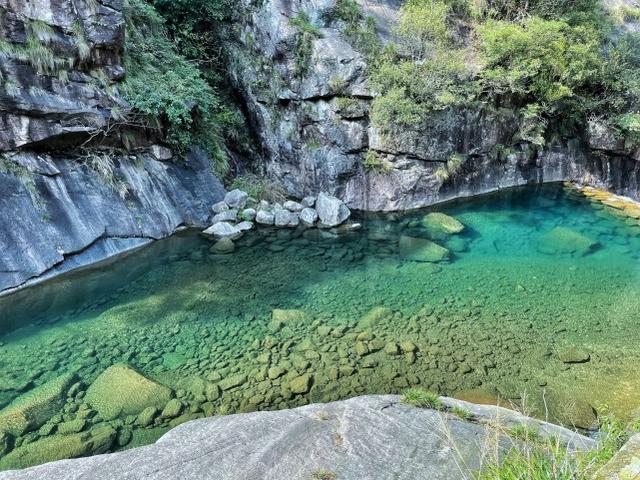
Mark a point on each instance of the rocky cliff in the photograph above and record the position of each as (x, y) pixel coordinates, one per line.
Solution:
(315, 131)
(70, 192)
(374, 437)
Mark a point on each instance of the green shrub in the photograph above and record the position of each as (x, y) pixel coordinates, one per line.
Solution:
(303, 51)
(259, 187)
(373, 163)
(422, 399)
(168, 91)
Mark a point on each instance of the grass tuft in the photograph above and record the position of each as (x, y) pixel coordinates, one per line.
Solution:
(422, 399)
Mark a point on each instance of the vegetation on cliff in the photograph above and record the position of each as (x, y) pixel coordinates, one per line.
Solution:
(557, 64)
(173, 81)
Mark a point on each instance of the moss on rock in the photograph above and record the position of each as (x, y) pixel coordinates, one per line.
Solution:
(120, 390)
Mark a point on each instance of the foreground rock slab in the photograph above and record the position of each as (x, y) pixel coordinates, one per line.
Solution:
(371, 437)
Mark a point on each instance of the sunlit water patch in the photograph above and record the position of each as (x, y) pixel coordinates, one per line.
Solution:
(537, 298)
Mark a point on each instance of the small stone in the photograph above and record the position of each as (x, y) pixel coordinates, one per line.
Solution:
(244, 226)
(292, 206)
(233, 381)
(225, 216)
(301, 384)
(361, 349)
(223, 246)
(407, 347)
(574, 355)
(276, 372)
(72, 426)
(220, 207)
(248, 214)
(391, 348)
(172, 409)
(212, 392)
(308, 216)
(223, 230)
(146, 416)
(308, 202)
(161, 153)
(265, 218)
(283, 218)
(236, 198)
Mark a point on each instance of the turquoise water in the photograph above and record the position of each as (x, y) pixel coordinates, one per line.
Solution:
(537, 306)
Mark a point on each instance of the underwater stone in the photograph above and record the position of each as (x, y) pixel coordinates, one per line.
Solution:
(172, 408)
(422, 250)
(248, 214)
(375, 316)
(574, 355)
(236, 198)
(308, 202)
(56, 447)
(408, 346)
(566, 241)
(72, 426)
(276, 372)
(361, 349)
(439, 222)
(120, 390)
(32, 409)
(146, 416)
(232, 382)
(391, 348)
(301, 384)
(224, 245)
(289, 317)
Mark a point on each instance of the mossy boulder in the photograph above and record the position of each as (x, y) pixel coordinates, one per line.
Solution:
(98, 440)
(562, 240)
(301, 384)
(422, 250)
(120, 390)
(31, 410)
(439, 225)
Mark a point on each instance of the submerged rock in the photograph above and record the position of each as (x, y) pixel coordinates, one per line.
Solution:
(563, 240)
(120, 390)
(440, 225)
(331, 210)
(574, 355)
(98, 440)
(31, 410)
(422, 250)
(224, 245)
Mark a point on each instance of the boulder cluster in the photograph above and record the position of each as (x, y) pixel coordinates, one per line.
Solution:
(238, 213)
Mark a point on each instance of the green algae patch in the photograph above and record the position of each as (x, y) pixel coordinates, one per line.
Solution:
(31, 410)
(422, 250)
(57, 447)
(120, 390)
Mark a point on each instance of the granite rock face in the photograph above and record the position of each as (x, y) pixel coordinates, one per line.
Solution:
(373, 437)
(70, 100)
(315, 131)
(57, 214)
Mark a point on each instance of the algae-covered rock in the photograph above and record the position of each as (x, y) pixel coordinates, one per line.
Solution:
(565, 241)
(120, 390)
(574, 355)
(625, 465)
(233, 381)
(31, 410)
(288, 316)
(441, 225)
(422, 250)
(375, 316)
(172, 409)
(146, 416)
(301, 384)
(98, 440)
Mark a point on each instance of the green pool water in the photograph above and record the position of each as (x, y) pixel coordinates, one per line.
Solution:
(538, 305)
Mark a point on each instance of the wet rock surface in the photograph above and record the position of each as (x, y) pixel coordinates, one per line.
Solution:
(364, 437)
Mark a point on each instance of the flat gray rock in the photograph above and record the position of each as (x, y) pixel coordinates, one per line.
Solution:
(364, 438)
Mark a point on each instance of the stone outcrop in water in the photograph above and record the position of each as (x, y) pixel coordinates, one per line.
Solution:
(364, 437)
(315, 132)
(120, 390)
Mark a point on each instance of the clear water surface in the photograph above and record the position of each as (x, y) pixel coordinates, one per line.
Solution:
(522, 310)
